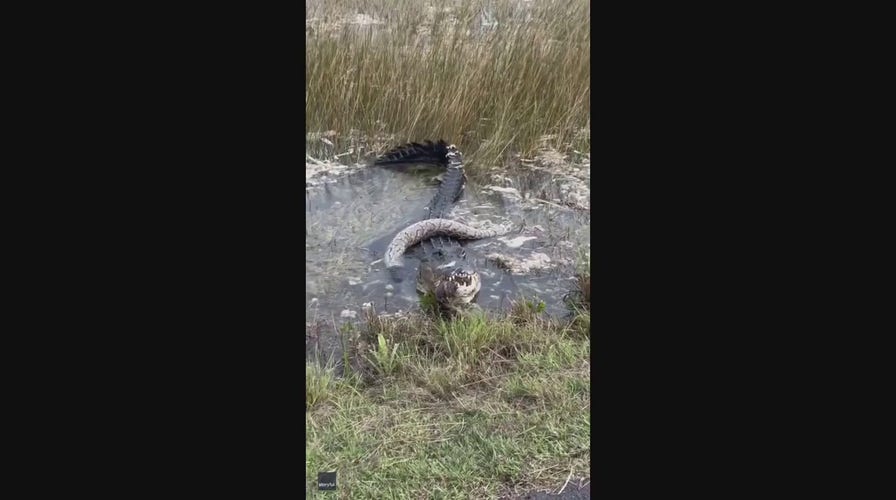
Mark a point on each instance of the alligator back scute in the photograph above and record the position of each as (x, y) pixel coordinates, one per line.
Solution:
(442, 249)
(449, 192)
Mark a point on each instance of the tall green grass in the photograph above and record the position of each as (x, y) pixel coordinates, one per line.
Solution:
(484, 406)
(493, 76)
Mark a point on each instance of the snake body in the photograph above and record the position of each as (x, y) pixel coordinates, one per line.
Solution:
(429, 228)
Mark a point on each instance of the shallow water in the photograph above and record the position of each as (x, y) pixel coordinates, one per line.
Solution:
(351, 220)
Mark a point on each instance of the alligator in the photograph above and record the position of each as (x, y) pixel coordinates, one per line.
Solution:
(444, 271)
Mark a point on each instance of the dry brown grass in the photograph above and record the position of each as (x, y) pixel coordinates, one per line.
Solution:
(493, 77)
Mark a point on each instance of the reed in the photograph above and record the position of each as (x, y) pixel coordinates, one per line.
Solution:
(496, 77)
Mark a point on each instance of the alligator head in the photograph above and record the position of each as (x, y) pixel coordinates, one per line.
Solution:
(458, 287)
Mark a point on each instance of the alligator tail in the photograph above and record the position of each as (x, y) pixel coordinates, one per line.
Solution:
(414, 152)
(449, 192)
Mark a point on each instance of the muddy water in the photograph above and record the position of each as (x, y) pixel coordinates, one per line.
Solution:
(353, 215)
(349, 222)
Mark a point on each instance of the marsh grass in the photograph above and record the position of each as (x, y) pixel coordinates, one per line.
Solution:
(318, 382)
(483, 405)
(496, 77)
(384, 359)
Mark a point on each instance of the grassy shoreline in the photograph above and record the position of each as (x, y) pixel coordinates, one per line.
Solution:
(481, 406)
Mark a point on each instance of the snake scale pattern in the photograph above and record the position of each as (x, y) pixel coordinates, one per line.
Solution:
(419, 231)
